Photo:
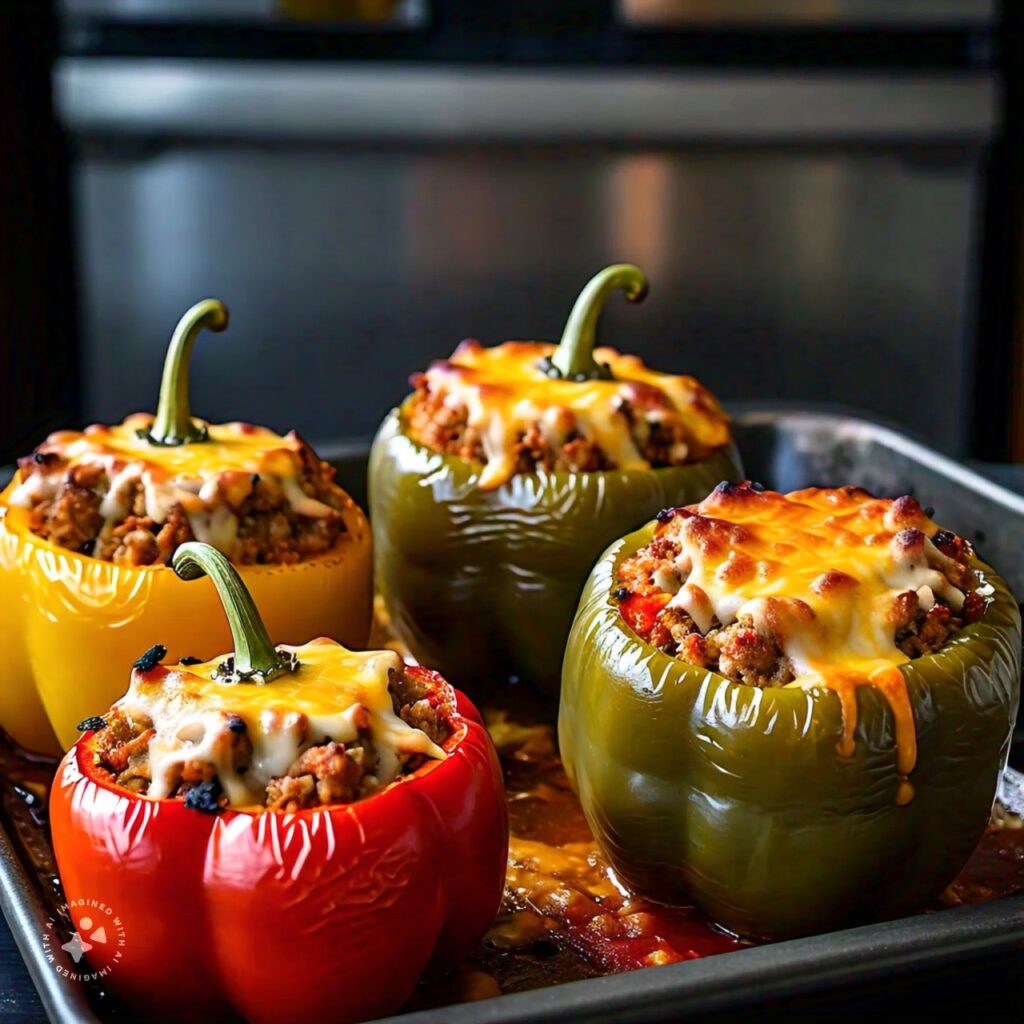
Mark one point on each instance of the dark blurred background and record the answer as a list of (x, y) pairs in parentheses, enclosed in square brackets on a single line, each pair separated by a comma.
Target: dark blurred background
[(825, 194)]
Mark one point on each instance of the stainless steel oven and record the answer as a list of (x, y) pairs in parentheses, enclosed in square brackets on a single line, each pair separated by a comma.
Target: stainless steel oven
[(363, 200)]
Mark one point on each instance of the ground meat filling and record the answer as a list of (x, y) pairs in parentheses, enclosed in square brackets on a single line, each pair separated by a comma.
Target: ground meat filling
[(745, 654), (326, 773), (440, 422), (269, 530)]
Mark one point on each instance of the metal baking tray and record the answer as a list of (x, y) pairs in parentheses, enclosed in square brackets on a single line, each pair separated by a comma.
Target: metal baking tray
[(784, 449)]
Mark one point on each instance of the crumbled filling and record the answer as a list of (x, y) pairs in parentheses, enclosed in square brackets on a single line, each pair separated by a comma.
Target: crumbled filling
[(325, 772), (497, 407), (750, 638), (85, 494), (442, 424)]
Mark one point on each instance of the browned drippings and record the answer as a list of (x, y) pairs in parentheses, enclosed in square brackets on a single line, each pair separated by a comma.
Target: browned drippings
[(565, 916)]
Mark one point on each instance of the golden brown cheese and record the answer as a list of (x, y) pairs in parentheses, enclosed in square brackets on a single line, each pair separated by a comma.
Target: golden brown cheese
[(505, 390), (333, 693), (821, 570), (194, 476)]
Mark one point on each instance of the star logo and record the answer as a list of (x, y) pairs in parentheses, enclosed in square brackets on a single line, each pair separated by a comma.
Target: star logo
[(78, 946)]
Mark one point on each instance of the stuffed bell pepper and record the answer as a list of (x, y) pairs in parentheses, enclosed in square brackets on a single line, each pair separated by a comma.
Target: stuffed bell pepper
[(91, 518), (498, 482), (291, 833), (790, 710)]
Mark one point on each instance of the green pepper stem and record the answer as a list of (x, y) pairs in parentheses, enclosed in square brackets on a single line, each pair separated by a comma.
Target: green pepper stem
[(255, 659), (574, 357), (173, 424)]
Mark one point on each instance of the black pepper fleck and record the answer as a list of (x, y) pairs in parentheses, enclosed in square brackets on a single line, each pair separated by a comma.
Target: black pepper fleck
[(151, 658), (91, 724), (665, 515), (755, 486), (88, 547), (204, 796), (190, 660), (622, 594), (236, 723)]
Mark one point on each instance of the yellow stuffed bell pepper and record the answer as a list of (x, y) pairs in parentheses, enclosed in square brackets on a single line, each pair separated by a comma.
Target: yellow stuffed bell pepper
[(91, 519)]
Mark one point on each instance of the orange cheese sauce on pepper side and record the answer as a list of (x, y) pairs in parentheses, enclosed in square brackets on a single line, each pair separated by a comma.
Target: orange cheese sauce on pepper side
[(820, 570), (332, 694), (505, 391), (195, 476)]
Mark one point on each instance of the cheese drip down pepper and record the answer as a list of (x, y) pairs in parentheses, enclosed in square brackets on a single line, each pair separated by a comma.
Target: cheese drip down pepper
[(745, 729), (495, 486), (350, 902), (206, 479), (826, 573), (90, 517), (333, 695), (506, 390)]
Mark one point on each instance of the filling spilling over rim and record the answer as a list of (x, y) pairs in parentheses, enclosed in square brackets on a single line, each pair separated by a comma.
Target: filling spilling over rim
[(339, 728), (817, 588), (108, 493), (498, 406)]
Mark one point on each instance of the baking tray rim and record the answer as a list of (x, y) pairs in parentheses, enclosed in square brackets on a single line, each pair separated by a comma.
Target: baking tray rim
[(26, 917), (789, 968), (892, 435)]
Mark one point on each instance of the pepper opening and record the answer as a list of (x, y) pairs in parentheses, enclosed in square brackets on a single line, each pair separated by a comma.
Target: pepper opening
[(173, 424), (255, 660), (574, 357)]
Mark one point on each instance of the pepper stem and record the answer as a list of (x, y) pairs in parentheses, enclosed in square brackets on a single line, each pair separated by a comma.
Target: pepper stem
[(574, 357), (173, 424), (255, 659)]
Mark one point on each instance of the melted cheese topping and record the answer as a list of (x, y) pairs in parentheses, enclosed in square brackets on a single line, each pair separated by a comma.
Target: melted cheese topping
[(821, 570), (506, 392), (194, 476), (334, 692)]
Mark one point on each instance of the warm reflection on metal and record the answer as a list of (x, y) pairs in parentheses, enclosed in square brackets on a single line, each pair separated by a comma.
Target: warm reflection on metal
[(680, 13)]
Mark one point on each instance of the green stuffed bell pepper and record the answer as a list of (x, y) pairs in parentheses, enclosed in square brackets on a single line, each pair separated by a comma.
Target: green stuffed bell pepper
[(790, 710), (499, 481)]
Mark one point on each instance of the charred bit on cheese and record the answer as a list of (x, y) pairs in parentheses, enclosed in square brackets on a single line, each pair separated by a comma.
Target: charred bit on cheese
[(108, 493), (340, 728), (829, 588), (498, 407)]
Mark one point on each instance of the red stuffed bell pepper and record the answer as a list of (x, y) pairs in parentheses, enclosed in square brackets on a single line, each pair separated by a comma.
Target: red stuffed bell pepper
[(290, 834)]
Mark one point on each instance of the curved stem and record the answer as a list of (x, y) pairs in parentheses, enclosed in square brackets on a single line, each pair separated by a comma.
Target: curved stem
[(173, 424), (574, 357), (255, 659)]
